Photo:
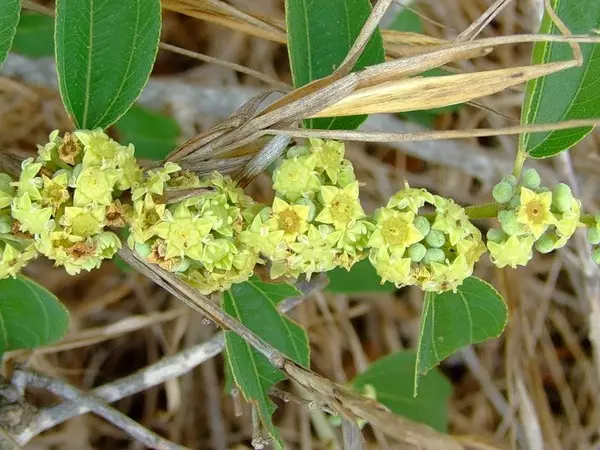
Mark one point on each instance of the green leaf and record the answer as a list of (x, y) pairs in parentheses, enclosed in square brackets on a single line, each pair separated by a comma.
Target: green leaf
[(392, 379), (450, 321), (35, 35), (254, 304), (105, 51), (361, 278), (566, 95), (9, 18), (30, 316), (320, 35), (153, 135)]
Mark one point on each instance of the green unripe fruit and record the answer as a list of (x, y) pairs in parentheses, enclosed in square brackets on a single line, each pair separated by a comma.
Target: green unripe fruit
[(312, 208), (596, 256), (435, 239), (593, 236), (502, 192), (496, 235), (183, 265), (143, 250), (510, 179), (434, 255), (562, 198), (508, 221), (416, 252), (422, 224), (545, 244), (297, 151), (531, 179)]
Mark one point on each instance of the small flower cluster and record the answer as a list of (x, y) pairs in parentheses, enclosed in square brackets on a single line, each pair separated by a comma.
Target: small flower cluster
[(67, 197), (198, 237), (316, 221), (434, 251), (531, 215)]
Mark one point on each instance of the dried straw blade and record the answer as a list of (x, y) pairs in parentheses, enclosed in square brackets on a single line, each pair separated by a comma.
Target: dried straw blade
[(434, 92)]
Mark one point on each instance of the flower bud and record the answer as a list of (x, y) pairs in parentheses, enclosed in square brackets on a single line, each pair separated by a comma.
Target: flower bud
[(502, 192), (510, 179), (417, 252), (545, 244), (296, 151), (562, 198), (508, 221), (496, 235), (422, 224), (593, 235), (434, 255), (435, 239), (531, 179), (144, 250)]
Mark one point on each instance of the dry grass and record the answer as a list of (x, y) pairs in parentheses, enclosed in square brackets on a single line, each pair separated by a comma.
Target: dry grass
[(536, 387)]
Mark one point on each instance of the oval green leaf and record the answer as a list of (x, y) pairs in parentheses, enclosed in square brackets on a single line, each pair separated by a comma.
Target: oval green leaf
[(474, 313), (105, 51), (153, 135), (254, 304), (361, 278), (320, 35), (391, 378), (35, 35), (30, 316), (566, 95), (9, 18)]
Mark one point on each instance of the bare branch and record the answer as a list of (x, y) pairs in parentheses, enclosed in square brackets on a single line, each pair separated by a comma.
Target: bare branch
[(482, 21), (23, 378)]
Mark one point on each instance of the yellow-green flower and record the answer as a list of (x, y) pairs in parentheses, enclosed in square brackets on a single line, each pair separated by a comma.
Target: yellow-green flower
[(55, 190), (85, 221), (29, 183), (32, 217), (291, 219), (69, 149), (516, 251), (218, 254), (14, 258), (314, 251), (410, 198), (263, 236), (6, 191), (94, 184), (181, 231), (446, 277), (48, 152), (329, 156), (451, 219), (156, 180), (221, 214), (567, 223), (341, 207), (394, 231), (107, 244), (392, 267), (296, 178), (534, 211), (130, 173), (99, 147)]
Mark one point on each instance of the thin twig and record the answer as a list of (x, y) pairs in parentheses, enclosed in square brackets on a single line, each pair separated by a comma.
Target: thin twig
[(233, 66), (23, 378), (482, 21)]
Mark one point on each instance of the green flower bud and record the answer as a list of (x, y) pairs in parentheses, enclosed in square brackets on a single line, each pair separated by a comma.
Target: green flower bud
[(508, 221), (596, 256), (514, 202), (422, 224), (144, 250), (435, 238), (496, 235), (510, 179), (545, 244), (593, 236), (434, 255), (345, 174), (417, 252), (531, 179), (562, 198), (502, 192)]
